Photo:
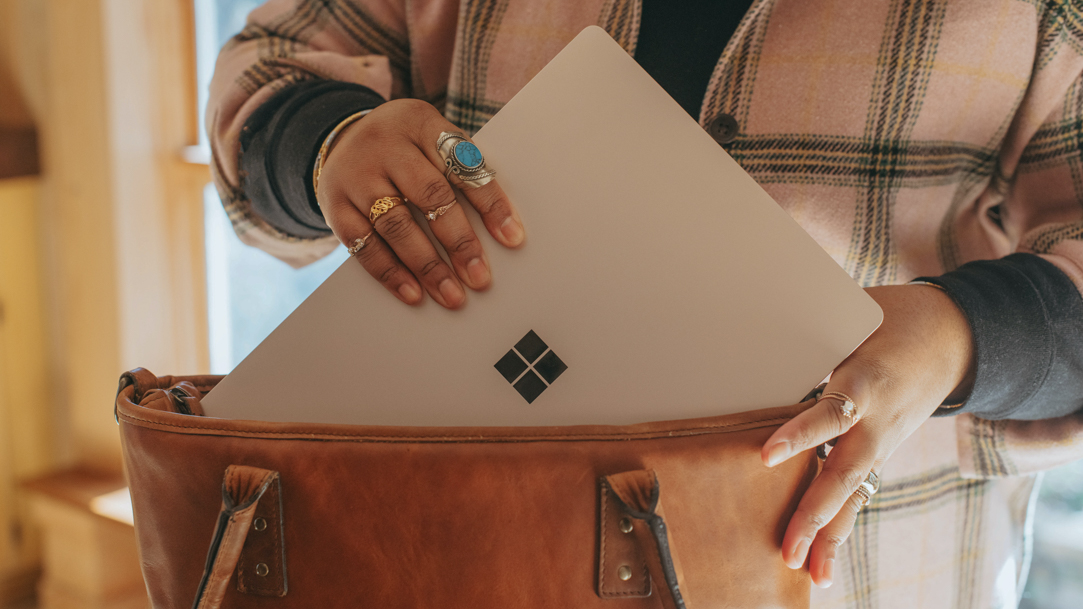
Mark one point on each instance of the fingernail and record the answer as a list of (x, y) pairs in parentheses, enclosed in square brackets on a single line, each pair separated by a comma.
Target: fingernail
[(828, 573), (512, 231), (478, 272), (778, 453), (799, 554), (452, 293), (409, 293)]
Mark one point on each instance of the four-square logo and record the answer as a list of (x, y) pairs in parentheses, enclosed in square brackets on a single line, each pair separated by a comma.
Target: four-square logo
[(531, 366)]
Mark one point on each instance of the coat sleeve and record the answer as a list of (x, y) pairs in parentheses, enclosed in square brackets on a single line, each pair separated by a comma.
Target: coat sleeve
[(1043, 211), (286, 42)]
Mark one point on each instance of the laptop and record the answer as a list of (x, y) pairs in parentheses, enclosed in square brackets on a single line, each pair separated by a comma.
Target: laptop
[(658, 282)]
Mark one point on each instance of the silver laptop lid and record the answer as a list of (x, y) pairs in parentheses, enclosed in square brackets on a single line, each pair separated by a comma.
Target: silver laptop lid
[(658, 281)]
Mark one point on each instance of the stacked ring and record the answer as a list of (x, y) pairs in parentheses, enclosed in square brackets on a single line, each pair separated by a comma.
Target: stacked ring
[(848, 407), (868, 487), (382, 206)]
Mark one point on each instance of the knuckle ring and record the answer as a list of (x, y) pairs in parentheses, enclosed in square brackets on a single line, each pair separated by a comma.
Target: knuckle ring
[(462, 158), (358, 244), (382, 206), (848, 408)]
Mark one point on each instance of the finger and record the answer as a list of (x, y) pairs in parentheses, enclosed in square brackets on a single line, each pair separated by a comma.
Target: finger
[(349, 224), (824, 421), (413, 248), (826, 545), (432, 194), (845, 469), (500, 217)]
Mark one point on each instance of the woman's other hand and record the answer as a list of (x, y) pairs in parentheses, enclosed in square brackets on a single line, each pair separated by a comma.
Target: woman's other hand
[(920, 356), (392, 152)]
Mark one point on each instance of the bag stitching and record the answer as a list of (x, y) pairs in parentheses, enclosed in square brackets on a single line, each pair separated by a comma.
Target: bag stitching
[(601, 558), (684, 432)]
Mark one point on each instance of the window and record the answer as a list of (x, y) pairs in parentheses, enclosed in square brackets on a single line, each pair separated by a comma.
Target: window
[(248, 292), (1056, 573)]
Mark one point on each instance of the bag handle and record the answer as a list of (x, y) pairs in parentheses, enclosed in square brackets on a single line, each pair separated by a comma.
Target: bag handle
[(630, 503), (251, 500)]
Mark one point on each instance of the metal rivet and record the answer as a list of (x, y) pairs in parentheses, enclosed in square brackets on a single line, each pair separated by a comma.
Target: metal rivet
[(259, 524), (625, 525), (262, 570), (624, 573)]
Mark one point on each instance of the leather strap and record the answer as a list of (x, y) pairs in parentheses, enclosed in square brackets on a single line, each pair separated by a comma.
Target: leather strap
[(638, 495), (242, 490)]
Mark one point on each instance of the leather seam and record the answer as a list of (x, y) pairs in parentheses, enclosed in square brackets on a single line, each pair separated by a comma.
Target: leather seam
[(277, 547), (605, 531), (390, 438)]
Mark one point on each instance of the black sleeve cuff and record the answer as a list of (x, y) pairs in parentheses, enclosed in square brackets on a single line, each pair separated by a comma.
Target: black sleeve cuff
[(279, 144), (1026, 317)]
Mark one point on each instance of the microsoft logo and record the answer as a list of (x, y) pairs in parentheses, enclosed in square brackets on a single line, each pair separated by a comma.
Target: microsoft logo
[(531, 366)]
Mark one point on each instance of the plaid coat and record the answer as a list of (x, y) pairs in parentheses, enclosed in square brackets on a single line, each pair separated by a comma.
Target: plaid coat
[(901, 134)]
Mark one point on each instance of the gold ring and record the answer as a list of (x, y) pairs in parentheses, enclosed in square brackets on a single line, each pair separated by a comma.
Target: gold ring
[(439, 211), (868, 487), (848, 407), (864, 497), (382, 206), (358, 244)]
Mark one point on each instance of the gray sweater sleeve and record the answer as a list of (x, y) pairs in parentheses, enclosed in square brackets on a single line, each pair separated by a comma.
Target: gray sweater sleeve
[(1026, 318), (279, 143)]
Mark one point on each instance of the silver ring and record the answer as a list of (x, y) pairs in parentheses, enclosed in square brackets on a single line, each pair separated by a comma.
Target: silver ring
[(871, 483), (462, 158), (358, 244)]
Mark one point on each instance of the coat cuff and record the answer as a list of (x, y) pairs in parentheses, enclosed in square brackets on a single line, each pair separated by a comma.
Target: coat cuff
[(279, 144), (1026, 318)]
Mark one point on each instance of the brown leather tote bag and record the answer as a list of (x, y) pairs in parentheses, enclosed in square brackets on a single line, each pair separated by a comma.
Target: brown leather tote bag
[(659, 515)]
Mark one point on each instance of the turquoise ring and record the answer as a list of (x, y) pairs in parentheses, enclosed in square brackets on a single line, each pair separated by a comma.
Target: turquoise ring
[(463, 159)]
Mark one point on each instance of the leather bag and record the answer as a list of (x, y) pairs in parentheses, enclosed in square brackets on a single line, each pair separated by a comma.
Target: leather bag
[(659, 515)]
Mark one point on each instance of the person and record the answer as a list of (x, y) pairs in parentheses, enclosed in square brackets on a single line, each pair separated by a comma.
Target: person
[(936, 140)]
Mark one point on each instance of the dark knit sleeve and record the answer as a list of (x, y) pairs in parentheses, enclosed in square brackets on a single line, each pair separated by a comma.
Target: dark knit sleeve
[(1026, 318), (279, 144)]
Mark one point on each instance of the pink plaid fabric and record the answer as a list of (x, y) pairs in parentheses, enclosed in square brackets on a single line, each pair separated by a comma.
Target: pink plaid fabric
[(893, 131)]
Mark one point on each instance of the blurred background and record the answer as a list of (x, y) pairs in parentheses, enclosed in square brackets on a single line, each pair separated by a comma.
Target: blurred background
[(115, 253)]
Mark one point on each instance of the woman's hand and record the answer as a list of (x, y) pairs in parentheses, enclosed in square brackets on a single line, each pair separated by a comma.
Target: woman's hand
[(919, 356), (392, 152)]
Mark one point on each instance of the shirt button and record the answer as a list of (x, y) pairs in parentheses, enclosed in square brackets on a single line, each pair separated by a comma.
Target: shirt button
[(723, 128)]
